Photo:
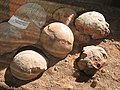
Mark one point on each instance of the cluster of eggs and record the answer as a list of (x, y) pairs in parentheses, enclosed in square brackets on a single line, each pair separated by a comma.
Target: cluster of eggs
[(56, 38)]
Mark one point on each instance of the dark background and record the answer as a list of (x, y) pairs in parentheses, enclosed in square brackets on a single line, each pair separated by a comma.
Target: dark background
[(114, 3)]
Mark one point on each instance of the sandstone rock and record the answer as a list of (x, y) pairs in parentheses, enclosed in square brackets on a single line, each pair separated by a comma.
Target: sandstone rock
[(92, 59), (12, 37), (93, 23), (80, 38), (28, 65), (57, 39), (64, 15)]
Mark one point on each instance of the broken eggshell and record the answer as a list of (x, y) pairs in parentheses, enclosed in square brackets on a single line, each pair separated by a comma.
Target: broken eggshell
[(92, 59), (93, 23), (64, 15), (28, 64), (57, 39)]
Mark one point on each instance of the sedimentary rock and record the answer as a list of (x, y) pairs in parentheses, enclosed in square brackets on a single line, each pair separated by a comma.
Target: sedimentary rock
[(23, 28), (64, 15), (33, 13)]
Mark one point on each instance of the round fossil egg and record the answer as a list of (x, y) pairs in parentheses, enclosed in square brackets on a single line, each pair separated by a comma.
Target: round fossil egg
[(92, 23), (57, 39), (28, 64), (92, 59)]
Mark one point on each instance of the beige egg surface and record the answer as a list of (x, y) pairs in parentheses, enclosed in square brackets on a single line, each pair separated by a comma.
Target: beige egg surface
[(93, 23), (57, 39), (92, 59), (64, 15), (28, 64)]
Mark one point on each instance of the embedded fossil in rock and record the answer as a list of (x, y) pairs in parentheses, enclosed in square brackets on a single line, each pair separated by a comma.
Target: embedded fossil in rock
[(28, 64), (93, 23), (64, 15), (92, 59), (67, 16), (57, 39)]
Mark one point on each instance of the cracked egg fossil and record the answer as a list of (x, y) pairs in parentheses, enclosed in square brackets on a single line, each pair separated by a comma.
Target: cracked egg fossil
[(57, 39), (92, 59)]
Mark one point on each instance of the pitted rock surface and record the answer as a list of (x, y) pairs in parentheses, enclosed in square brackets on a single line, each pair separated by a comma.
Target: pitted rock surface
[(93, 23)]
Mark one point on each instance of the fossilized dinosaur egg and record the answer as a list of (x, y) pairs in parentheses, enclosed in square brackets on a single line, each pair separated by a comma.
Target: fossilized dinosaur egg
[(93, 23), (57, 39), (28, 64), (64, 15), (92, 59)]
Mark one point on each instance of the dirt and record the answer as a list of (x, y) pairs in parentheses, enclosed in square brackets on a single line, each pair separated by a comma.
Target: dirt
[(65, 75)]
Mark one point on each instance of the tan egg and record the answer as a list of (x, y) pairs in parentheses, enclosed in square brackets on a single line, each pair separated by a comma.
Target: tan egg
[(28, 64), (92, 23), (57, 39), (64, 15), (92, 59)]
